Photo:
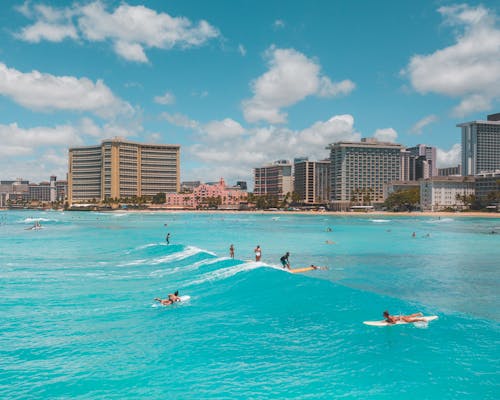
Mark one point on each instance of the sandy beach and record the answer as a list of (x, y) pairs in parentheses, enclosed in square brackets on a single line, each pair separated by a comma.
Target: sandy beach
[(333, 213)]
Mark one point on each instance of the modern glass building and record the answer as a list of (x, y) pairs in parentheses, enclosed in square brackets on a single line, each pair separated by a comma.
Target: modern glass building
[(119, 169), (481, 145)]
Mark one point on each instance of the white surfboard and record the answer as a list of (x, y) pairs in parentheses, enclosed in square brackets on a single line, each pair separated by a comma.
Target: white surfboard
[(385, 323)]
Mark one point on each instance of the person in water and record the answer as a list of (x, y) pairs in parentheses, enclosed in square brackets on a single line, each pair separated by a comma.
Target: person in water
[(316, 267), (171, 299), (231, 251), (392, 319), (258, 253), (167, 238), (284, 260)]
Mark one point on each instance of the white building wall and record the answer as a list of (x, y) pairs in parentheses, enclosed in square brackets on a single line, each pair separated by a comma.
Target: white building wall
[(436, 195)]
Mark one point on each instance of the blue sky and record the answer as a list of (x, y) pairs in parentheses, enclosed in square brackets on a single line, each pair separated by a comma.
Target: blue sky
[(240, 83)]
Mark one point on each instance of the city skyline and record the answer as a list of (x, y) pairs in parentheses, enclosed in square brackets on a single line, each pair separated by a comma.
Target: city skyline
[(240, 87)]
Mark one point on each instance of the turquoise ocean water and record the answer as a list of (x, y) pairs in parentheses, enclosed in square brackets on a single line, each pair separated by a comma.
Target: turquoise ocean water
[(78, 318)]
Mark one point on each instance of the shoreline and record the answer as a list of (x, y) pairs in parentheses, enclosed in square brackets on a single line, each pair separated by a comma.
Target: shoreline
[(329, 213), (478, 214)]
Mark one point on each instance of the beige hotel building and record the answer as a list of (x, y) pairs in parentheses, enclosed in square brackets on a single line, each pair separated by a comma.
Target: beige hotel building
[(119, 168)]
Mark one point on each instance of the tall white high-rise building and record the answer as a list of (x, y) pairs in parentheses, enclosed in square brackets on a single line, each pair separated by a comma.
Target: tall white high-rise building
[(481, 145)]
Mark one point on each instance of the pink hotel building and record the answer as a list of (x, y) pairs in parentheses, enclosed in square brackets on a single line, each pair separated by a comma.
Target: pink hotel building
[(231, 197)]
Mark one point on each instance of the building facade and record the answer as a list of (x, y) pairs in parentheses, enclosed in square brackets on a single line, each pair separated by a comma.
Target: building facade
[(448, 171), (312, 181), (359, 171), (120, 169), (481, 145), (207, 195), (39, 192), (13, 190), (488, 187), (439, 193), (422, 162), (275, 179)]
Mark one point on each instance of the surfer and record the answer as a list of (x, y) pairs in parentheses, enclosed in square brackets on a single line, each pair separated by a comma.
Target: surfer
[(316, 267), (392, 319), (284, 260), (231, 251), (167, 238), (172, 298), (258, 253)]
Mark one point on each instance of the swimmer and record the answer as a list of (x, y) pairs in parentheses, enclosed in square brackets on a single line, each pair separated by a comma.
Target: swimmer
[(258, 253)]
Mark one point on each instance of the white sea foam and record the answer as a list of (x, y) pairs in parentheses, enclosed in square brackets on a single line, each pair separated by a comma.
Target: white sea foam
[(187, 252), (191, 267), (225, 273), (146, 246), (40, 219), (379, 221)]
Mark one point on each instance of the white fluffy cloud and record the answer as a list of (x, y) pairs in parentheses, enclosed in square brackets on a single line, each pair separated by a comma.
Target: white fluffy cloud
[(421, 124), (45, 149), (40, 91), (130, 29), (469, 69), (180, 120), (279, 24), (291, 78), (225, 129), (234, 155), (386, 135), (242, 50), (450, 158), (51, 24), (18, 141), (166, 99)]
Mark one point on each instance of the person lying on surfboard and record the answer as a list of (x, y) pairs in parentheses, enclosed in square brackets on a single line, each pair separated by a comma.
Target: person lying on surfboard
[(316, 267), (172, 298), (392, 319)]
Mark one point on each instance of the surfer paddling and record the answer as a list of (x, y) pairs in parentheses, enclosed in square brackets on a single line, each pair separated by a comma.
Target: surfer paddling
[(172, 298), (392, 319)]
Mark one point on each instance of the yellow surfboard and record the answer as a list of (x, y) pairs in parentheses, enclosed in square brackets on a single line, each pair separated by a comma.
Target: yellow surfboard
[(299, 270)]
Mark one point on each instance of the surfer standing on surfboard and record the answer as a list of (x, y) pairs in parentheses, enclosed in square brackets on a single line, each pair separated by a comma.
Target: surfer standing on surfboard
[(392, 319), (284, 260)]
